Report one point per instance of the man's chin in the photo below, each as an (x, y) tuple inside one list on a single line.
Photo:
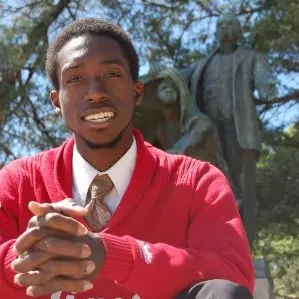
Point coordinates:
[(100, 141), (95, 145)]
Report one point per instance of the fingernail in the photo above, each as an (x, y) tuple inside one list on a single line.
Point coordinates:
[(12, 266), (14, 251), (90, 267), (82, 230), (29, 291), (17, 281), (86, 252), (87, 286)]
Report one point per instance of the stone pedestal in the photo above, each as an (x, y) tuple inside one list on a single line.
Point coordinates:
[(263, 283)]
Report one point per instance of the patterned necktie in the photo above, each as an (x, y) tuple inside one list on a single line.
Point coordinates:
[(98, 213)]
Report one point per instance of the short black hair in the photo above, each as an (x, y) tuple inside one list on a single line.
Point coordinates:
[(91, 26)]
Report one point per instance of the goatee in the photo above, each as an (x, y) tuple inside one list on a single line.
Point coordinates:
[(111, 144)]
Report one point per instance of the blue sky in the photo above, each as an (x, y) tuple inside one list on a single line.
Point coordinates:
[(277, 117)]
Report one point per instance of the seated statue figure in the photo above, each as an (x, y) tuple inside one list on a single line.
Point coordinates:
[(171, 121)]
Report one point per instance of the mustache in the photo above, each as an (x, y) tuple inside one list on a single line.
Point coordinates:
[(103, 104)]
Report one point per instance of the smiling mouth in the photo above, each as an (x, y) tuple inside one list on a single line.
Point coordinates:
[(99, 117)]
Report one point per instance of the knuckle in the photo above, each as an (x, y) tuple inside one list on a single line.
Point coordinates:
[(15, 266), (35, 291), (19, 266), (17, 248), (23, 264), (35, 232), (26, 279), (51, 217), (35, 256), (19, 279), (32, 222), (38, 277), (50, 266), (48, 242)]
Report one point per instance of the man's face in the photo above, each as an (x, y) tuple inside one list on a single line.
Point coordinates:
[(227, 29), (167, 93), (96, 93)]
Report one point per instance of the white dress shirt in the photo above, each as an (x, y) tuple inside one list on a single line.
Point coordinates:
[(120, 174)]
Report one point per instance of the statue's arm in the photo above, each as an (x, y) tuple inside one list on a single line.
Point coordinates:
[(186, 72), (192, 137), (183, 144), (264, 81)]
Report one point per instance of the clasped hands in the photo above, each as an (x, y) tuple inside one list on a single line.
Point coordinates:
[(57, 252)]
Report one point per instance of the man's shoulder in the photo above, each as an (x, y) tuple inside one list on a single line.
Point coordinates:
[(182, 165)]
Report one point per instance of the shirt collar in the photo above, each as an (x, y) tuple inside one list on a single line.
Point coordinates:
[(120, 173)]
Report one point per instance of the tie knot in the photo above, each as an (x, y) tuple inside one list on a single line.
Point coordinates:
[(101, 186)]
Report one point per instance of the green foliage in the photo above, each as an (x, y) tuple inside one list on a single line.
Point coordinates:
[(278, 225), (277, 30), (168, 33)]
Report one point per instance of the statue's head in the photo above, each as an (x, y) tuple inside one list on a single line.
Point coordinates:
[(228, 28), (167, 92)]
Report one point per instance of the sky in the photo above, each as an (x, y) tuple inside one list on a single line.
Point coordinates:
[(276, 118)]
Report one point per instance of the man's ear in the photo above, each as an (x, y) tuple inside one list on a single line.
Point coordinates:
[(54, 95), (139, 89)]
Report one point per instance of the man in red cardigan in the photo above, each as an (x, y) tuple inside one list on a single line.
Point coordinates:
[(107, 215)]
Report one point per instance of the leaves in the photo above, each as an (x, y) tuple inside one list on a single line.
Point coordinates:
[(165, 33), (278, 196)]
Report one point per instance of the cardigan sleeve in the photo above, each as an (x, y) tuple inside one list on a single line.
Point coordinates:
[(9, 230), (217, 246)]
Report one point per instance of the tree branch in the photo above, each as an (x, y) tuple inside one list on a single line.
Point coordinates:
[(153, 3), (73, 16), (206, 9), (293, 96)]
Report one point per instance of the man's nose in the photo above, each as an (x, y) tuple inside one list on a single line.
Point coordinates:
[(96, 91)]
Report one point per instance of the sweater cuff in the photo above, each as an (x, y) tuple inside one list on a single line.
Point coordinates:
[(119, 258), (8, 259)]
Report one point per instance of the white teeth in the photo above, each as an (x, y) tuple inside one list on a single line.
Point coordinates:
[(99, 117), (99, 120)]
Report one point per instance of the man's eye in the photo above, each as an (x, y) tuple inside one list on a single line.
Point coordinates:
[(73, 80), (111, 75)]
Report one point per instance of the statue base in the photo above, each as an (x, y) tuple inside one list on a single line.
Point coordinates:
[(263, 283)]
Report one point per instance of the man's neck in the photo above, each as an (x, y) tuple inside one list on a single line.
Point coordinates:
[(104, 158)]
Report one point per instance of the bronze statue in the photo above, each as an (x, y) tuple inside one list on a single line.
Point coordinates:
[(169, 119), (223, 85)]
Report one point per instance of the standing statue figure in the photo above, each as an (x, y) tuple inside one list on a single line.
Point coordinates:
[(170, 120), (223, 86)]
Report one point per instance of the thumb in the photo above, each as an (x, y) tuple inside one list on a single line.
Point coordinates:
[(40, 209), (70, 208), (67, 207)]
